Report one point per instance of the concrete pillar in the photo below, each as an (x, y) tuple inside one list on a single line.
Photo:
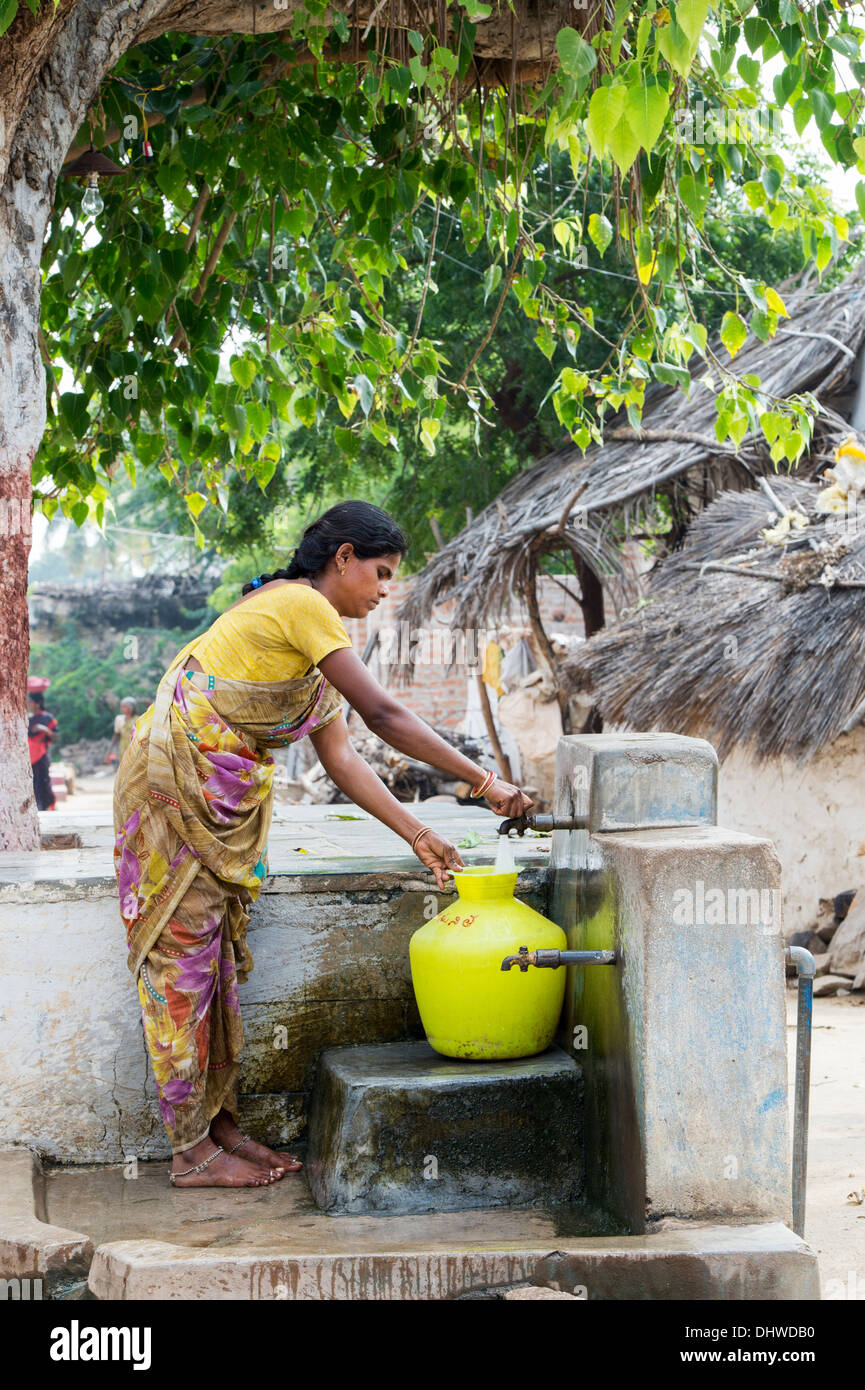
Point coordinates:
[(683, 1041)]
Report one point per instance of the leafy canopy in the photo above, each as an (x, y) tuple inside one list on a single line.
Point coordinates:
[(239, 286)]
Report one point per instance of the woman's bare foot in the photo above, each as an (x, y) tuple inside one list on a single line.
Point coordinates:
[(223, 1130), (227, 1170)]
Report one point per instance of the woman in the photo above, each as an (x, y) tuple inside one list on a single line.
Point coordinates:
[(41, 733), (193, 802), (124, 723)]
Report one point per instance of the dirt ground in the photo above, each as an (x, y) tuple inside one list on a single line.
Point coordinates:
[(834, 1226)]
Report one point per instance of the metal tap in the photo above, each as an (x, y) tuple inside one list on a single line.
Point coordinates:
[(551, 960), (542, 822)]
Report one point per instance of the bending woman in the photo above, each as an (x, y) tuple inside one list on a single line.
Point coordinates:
[(193, 800)]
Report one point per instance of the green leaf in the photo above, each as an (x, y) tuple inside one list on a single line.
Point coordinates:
[(748, 69), (691, 16), (645, 111), (676, 47), (623, 143), (824, 253), (366, 392), (73, 410), (694, 194), (573, 383), (801, 114), (8, 11), (545, 341), (577, 57), (418, 71), (244, 370), (443, 58), (347, 442), (760, 325), (734, 331), (492, 278), (470, 840), (846, 44), (673, 376), (771, 180), (644, 29), (196, 502), (696, 334), (822, 106), (605, 112), (600, 231)]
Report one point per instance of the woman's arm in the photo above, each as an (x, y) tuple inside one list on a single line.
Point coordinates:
[(390, 720), (402, 730), (353, 775)]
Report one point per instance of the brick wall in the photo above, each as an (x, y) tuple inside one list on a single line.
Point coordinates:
[(439, 695)]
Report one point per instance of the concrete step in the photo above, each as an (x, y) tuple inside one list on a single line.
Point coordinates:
[(399, 1128)]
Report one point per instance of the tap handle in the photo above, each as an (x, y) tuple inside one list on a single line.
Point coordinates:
[(518, 823)]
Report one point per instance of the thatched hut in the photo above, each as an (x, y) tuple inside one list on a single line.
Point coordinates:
[(759, 646), (578, 506)]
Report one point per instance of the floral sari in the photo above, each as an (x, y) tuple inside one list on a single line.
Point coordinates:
[(192, 812)]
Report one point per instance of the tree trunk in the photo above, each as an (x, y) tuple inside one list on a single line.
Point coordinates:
[(22, 420), (65, 59)]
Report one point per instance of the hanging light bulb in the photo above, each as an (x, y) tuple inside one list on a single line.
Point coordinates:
[(92, 165), (92, 203)]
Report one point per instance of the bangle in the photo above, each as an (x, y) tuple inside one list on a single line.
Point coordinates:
[(423, 831), (484, 785)]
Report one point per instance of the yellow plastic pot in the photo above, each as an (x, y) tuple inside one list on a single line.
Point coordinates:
[(468, 1005)]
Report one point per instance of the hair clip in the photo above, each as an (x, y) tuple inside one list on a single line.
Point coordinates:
[(256, 583)]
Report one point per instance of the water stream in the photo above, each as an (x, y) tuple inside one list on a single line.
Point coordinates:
[(505, 863)]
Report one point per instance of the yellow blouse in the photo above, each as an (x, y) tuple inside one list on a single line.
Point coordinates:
[(276, 634)]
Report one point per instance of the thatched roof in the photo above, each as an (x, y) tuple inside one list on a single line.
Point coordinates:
[(815, 350), (743, 642)]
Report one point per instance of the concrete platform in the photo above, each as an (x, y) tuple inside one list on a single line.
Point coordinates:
[(702, 1264), (329, 935), (399, 1128), (271, 1243), (303, 840)]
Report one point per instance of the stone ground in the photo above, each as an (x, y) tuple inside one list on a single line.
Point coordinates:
[(835, 1227)]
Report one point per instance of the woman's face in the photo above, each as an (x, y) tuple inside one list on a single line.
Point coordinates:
[(365, 582)]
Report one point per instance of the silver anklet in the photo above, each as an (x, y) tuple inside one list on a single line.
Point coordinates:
[(199, 1167), (242, 1140)]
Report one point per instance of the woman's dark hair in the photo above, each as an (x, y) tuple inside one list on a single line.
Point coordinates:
[(369, 529), (37, 696)]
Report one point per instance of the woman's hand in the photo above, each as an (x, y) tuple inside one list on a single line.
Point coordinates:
[(439, 855), (506, 799), (110, 757)]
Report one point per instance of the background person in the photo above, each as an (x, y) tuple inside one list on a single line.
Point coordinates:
[(124, 725), (41, 730)]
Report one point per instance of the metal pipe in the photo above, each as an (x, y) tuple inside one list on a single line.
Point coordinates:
[(542, 822), (551, 960), (806, 969)]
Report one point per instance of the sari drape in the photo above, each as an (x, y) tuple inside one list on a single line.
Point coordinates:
[(193, 801)]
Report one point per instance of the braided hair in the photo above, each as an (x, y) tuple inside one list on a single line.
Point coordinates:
[(366, 527)]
